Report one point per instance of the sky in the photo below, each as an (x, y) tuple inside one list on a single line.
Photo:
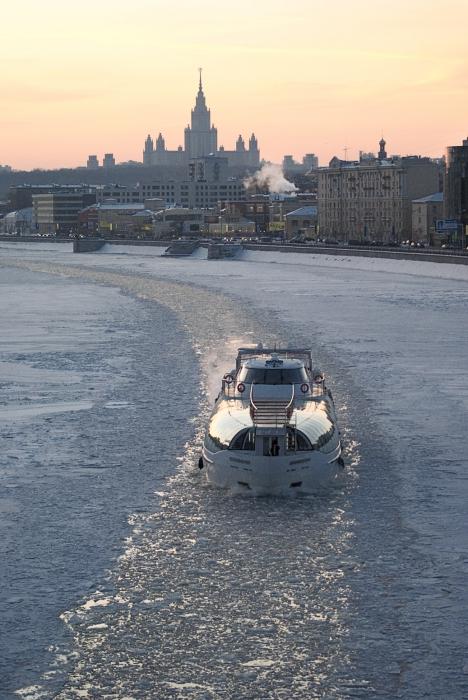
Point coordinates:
[(307, 76)]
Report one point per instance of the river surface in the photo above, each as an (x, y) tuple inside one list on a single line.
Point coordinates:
[(128, 577)]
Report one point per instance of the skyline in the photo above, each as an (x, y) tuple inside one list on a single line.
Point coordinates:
[(318, 80)]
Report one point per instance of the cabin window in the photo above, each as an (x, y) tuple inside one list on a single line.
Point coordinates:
[(326, 437), (245, 440), (298, 442), (214, 444), (260, 375)]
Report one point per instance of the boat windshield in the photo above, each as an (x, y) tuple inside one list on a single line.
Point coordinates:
[(277, 375)]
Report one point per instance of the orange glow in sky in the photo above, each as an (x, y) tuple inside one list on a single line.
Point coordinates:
[(306, 76)]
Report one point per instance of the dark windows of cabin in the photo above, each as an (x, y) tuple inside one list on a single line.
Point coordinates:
[(245, 440), (297, 441), (260, 375)]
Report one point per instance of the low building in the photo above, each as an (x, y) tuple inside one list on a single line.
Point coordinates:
[(231, 225), (17, 223), (56, 212), (21, 196), (302, 221), (178, 221), (112, 220), (426, 212), (254, 208), (281, 205)]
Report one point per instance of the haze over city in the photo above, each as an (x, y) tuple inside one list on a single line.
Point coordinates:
[(305, 77)]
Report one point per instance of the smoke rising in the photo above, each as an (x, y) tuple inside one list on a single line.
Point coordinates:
[(272, 177)]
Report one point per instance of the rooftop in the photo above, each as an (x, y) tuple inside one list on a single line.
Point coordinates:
[(303, 211), (436, 197)]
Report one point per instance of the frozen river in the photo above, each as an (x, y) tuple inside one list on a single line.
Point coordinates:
[(126, 577)]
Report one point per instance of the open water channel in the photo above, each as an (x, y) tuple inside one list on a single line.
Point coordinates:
[(127, 577)]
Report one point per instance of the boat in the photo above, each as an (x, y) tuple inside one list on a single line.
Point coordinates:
[(274, 426)]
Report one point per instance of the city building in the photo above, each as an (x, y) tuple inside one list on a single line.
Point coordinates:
[(281, 205), (56, 212), (207, 182), (93, 163), (17, 223), (113, 220), (201, 140), (370, 200), (108, 161), (456, 185), (254, 208), (426, 211), (119, 194), (178, 221), (21, 196), (228, 225), (301, 222), (309, 162)]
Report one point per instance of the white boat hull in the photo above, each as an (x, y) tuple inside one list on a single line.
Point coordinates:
[(303, 472)]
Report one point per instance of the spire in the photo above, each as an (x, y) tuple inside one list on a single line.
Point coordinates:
[(240, 144), (382, 152), (149, 144), (200, 103)]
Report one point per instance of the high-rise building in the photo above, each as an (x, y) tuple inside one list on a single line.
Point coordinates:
[(456, 184), (201, 140), (309, 162), (109, 161), (201, 137), (93, 163)]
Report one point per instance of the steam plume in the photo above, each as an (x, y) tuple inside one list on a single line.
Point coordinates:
[(272, 177)]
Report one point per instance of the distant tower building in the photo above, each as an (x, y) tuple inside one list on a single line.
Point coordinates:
[(310, 161), (254, 153), (382, 152), (240, 145), (148, 152), (160, 143), (201, 138), (93, 163), (109, 160)]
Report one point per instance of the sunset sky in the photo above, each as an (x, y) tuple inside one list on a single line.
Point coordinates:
[(306, 76)]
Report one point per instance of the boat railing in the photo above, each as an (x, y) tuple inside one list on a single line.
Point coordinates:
[(253, 407), (271, 412), (317, 389), (317, 386), (290, 406), (303, 354), (228, 386)]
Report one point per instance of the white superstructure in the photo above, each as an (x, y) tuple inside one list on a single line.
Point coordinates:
[(273, 427)]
